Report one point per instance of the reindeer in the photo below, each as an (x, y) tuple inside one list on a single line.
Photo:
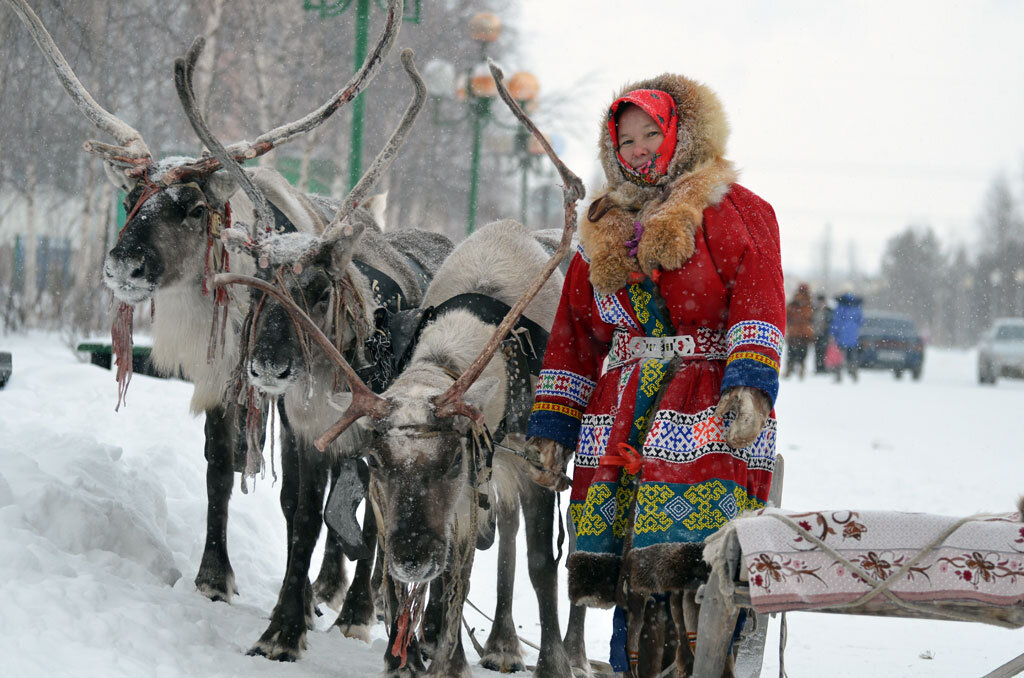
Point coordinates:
[(335, 283), (427, 437), (169, 247)]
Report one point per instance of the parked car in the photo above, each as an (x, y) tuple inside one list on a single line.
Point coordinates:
[(1001, 351), (890, 341)]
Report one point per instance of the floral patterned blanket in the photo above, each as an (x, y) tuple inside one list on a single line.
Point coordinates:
[(805, 560)]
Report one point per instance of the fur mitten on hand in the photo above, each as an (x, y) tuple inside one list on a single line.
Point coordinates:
[(751, 407), (548, 460)]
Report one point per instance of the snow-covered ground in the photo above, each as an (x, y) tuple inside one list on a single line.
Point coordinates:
[(102, 515)]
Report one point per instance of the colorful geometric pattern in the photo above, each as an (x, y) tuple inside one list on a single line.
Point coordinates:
[(583, 253), (679, 438), (757, 333), (593, 442), (611, 310), (604, 515), (651, 374), (760, 455), (561, 409), (673, 512), (564, 384), (750, 355)]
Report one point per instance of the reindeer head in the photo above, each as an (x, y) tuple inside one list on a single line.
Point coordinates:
[(166, 239), (426, 467), (174, 205), (279, 355)]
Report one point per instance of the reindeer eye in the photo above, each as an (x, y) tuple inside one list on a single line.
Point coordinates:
[(456, 468), (323, 302), (197, 212), (371, 461)]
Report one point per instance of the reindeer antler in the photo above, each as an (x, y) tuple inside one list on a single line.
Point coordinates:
[(387, 154), (266, 142), (184, 67), (339, 224), (132, 150), (364, 401), (452, 401)]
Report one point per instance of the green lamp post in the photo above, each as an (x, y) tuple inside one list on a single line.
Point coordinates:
[(478, 93), (332, 8)]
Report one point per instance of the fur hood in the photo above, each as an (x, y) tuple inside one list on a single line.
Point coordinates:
[(670, 211)]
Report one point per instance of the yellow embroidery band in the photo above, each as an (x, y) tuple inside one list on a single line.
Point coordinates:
[(561, 409), (750, 355)]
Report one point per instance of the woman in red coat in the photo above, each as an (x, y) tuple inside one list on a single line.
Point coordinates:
[(678, 285)]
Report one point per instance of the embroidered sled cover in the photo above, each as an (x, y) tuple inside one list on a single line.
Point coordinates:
[(834, 559)]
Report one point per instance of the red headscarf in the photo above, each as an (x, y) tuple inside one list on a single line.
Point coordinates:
[(662, 109)]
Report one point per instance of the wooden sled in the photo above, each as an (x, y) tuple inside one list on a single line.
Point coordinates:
[(967, 569)]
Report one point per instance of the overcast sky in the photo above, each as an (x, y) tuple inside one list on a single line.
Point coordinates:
[(868, 116)]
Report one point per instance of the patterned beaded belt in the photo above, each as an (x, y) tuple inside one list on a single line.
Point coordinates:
[(705, 344)]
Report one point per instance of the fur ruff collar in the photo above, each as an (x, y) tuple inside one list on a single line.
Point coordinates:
[(672, 210)]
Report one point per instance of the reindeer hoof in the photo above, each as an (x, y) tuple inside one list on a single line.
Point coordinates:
[(356, 631), (330, 593), (217, 593), (216, 579), (273, 652), (504, 663)]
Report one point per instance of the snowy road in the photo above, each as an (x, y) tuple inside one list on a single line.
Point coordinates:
[(101, 519)]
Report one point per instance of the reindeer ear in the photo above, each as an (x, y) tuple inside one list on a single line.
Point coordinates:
[(220, 186), (344, 245), (118, 178), (376, 205)]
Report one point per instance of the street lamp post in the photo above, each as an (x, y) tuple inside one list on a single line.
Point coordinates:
[(480, 91), (332, 8), (1018, 277)]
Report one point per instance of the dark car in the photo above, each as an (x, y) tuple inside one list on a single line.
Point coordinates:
[(890, 341)]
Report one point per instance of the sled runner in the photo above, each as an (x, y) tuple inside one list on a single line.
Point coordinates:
[(878, 563)]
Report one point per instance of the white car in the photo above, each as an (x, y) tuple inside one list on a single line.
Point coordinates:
[(1001, 351)]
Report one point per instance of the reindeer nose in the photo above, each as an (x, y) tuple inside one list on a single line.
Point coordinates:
[(263, 370)]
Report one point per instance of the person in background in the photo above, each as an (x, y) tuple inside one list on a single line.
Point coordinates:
[(822, 331), (845, 328), (678, 283), (799, 330)]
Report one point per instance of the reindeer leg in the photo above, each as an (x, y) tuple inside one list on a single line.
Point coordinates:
[(575, 642), (285, 637), (575, 639), (450, 657), (652, 638), (502, 651), (329, 586), (539, 511), (357, 613), (684, 651), (433, 619), (216, 579)]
